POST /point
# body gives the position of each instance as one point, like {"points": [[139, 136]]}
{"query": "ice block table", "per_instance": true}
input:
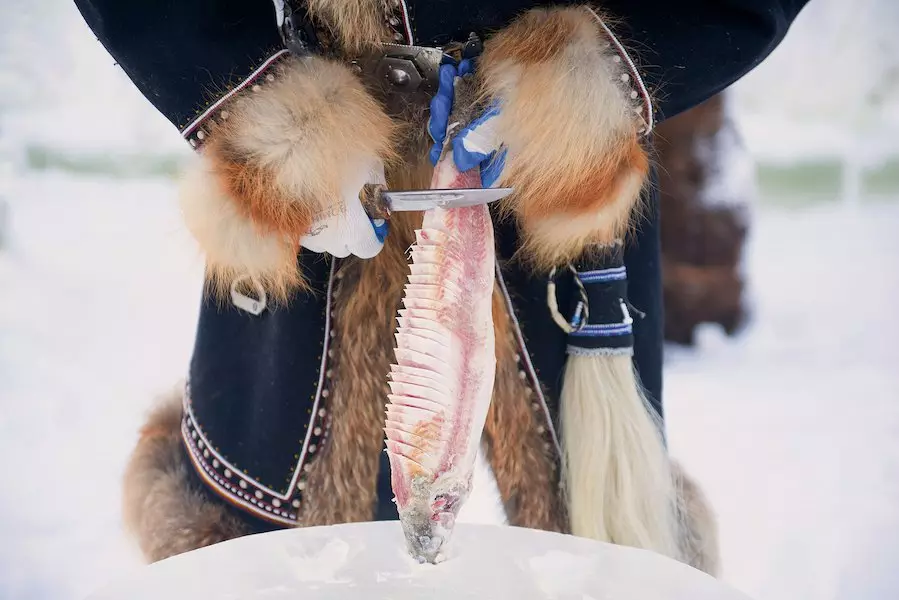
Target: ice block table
{"points": [[368, 561]]}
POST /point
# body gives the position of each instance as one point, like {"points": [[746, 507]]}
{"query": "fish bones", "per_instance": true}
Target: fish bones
{"points": [[442, 381]]}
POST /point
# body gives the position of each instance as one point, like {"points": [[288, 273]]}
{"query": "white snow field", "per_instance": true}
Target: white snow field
{"points": [[792, 427]]}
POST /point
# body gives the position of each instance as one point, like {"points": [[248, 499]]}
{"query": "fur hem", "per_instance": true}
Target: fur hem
{"points": [[699, 543], [162, 508], [275, 165], [571, 130]]}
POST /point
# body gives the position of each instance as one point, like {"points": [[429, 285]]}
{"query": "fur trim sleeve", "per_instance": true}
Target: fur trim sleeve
{"points": [[274, 160], [571, 129]]}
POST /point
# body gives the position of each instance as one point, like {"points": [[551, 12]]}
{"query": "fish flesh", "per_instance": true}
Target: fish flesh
{"points": [[442, 381]]}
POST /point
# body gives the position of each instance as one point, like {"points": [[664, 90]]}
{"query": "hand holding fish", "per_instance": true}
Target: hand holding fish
{"points": [[476, 144], [352, 227]]}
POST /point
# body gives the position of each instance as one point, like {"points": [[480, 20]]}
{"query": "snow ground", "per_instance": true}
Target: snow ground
{"points": [[793, 428]]}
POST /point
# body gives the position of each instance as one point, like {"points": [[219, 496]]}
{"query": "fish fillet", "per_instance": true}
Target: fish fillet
{"points": [[442, 381]]}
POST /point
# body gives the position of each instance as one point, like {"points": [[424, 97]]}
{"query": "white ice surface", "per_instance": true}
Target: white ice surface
{"points": [[367, 561]]}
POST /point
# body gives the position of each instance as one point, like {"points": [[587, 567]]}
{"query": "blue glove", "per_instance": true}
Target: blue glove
{"points": [[474, 146], [442, 104], [478, 145]]}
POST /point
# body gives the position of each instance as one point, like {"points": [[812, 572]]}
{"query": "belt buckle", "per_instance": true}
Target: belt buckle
{"points": [[402, 75]]}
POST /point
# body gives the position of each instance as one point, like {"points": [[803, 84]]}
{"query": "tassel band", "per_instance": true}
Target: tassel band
{"points": [[601, 321], [578, 351]]}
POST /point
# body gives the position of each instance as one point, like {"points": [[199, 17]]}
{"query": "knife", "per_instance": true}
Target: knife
{"points": [[379, 202]]}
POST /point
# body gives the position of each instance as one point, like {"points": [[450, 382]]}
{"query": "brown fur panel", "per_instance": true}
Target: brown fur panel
{"points": [[367, 296], [358, 24], [699, 536], [521, 458], [574, 156], [282, 157], [161, 506]]}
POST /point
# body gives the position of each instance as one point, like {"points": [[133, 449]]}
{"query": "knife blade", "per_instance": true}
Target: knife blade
{"points": [[379, 202]]}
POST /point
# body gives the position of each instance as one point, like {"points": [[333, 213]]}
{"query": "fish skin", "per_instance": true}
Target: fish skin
{"points": [[442, 381]]}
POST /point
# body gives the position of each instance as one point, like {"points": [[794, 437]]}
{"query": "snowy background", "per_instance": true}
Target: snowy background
{"points": [[793, 427]]}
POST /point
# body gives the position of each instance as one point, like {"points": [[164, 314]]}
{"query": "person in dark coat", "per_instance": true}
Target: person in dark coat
{"points": [[292, 108]]}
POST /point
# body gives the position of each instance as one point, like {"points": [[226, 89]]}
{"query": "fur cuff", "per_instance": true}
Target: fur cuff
{"points": [[275, 161], [571, 129]]}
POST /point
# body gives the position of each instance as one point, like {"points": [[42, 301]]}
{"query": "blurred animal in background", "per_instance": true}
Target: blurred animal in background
{"points": [[707, 183]]}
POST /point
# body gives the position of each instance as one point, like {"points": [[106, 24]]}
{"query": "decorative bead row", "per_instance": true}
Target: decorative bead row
{"points": [[197, 131], [396, 17], [631, 78], [241, 487], [236, 484]]}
